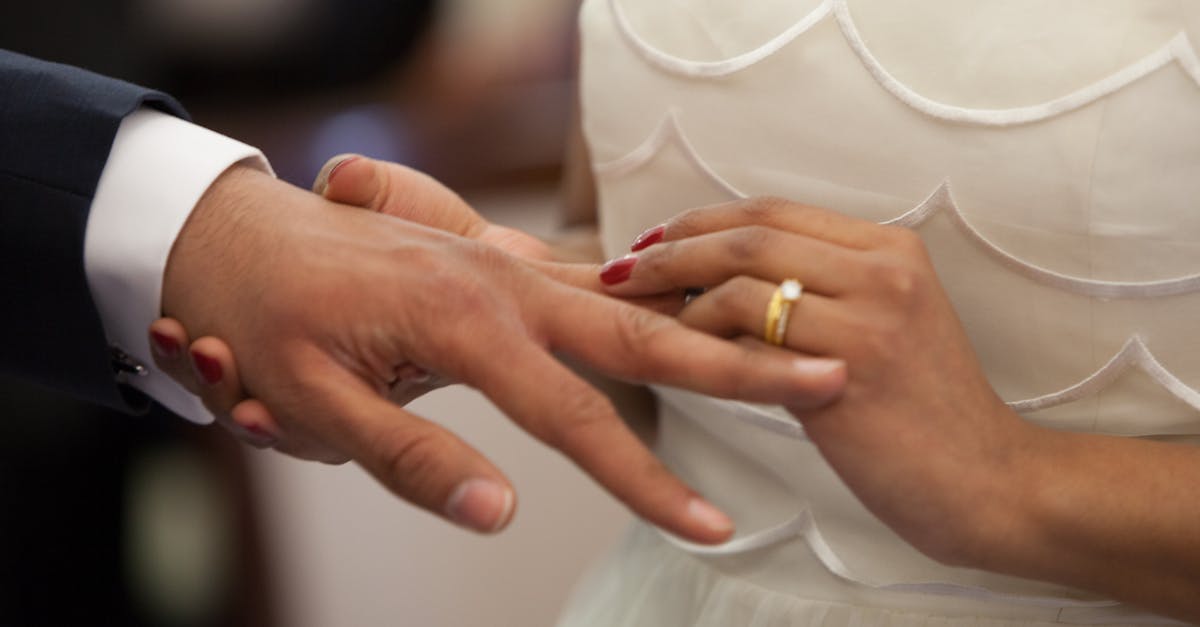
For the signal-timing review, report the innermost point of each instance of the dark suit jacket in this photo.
(57, 125)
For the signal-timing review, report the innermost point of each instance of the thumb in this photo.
(399, 191)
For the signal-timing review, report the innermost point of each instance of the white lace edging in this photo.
(1179, 50)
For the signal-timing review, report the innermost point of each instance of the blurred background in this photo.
(107, 519)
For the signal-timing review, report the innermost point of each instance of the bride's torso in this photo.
(1048, 153)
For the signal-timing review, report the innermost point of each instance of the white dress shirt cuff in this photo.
(157, 171)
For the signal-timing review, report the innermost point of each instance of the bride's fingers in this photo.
(773, 213)
(587, 276)
(215, 371)
(168, 344)
(713, 258)
(220, 387)
(738, 308)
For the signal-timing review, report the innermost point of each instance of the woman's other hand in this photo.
(919, 435)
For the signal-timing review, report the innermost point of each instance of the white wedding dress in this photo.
(1048, 151)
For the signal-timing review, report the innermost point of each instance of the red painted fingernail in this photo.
(264, 438)
(338, 168)
(649, 238)
(258, 431)
(618, 270)
(208, 368)
(164, 345)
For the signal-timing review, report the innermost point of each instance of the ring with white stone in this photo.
(779, 311)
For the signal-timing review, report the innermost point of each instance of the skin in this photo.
(972, 484)
(323, 304)
(919, 435)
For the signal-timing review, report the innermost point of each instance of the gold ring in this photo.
(780, 309)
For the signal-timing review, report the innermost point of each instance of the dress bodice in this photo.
(1047, 152)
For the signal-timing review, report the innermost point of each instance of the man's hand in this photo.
(403, 192)
(321, 303)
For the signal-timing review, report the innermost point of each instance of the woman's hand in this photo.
(919, 435)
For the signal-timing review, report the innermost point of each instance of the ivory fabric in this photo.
(1049, 155)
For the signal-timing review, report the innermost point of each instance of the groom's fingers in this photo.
(637, 345)
(417, 460)
(560, 409)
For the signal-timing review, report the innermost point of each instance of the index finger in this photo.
(776, 213)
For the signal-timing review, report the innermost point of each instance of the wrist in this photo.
(1003, 515)
(210, 241)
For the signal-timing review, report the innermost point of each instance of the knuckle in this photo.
(895, 279)
(687, 223)
(638, 333)
(659, 259)
(580, 419)
(764, 210)
(735, 297)
(413, 462)
(748, 243)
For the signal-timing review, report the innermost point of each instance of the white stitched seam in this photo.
(668, 130)
(941, 200)
(1135, 354)
(1179, 49)
(803, 525)
(714, 69)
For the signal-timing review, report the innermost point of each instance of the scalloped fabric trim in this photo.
(1178, 50)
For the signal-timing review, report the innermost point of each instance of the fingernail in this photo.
(649, 238)
(338, 168)
(706, 514)
(481, 504)
(208, 368)
(164, 345)
(323, 182)
(618, 270)
(818, 367)
(263, 439)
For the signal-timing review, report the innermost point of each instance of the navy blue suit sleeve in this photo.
(57, 125)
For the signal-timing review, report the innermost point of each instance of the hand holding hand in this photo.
(207, 367)
(322, 301)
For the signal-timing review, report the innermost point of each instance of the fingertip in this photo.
(327, 172)
(253, 416)
(713, 525)
(483, 505)
(208, 369)
(167, 338)
(356, 181)
(824, 380)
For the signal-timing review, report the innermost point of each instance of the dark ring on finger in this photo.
(692, 293)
